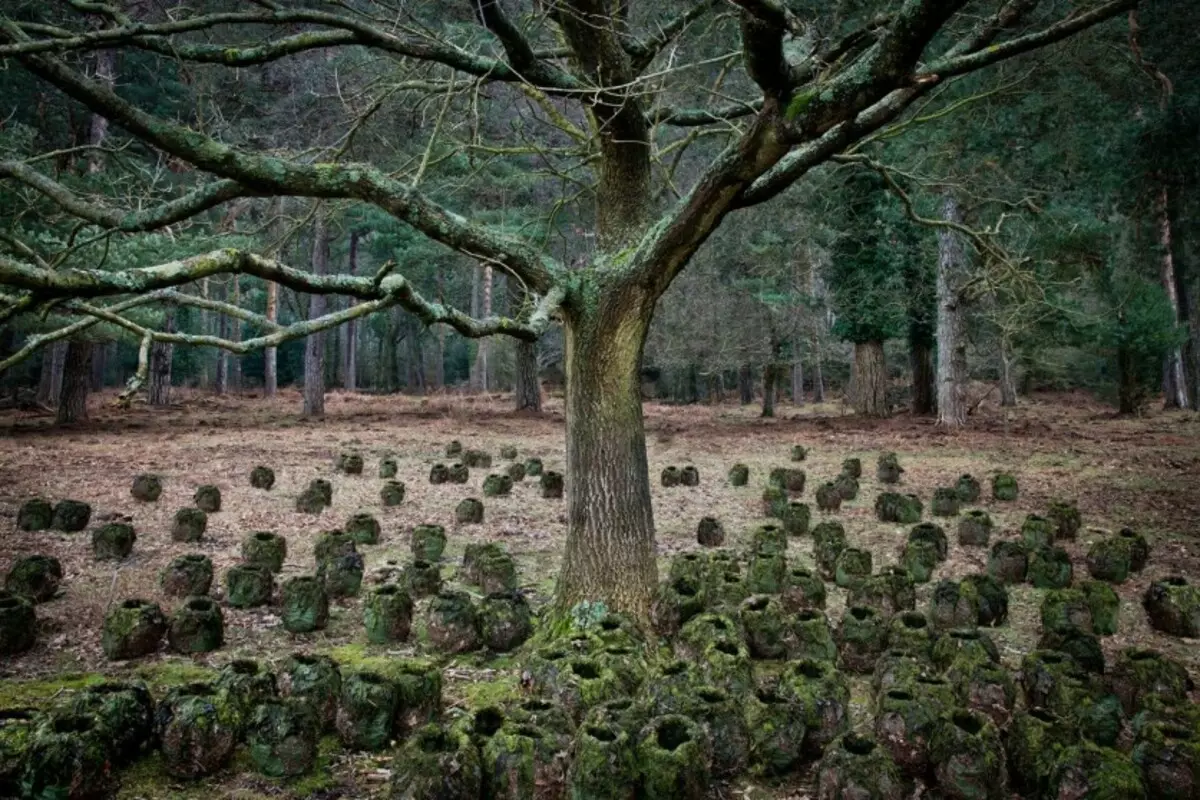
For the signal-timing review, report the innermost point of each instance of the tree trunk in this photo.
(610, 551)
(234, 376)
(868, 380)
(1130, 395)
(76, 377)
(314, 349)
(50, 382)
(1008, 380)
(818, 376)
(350, 329)
(1176, 379)
(271, 354)
(479, 370)
(951, 336)
(746, 384)
(770, 375)
(99, 365)
(528, 389)
(105, 74)
(161, 353)
(416, 356)
(924, 395)
(798, 382)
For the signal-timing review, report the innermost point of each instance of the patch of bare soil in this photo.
(1143, 473)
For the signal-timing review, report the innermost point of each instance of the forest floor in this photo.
(1143, 473)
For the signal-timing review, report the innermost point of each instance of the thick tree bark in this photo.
(770, 389)
(610, 552)
(99, 365)
(50, 381)
(161, 355)
(746, 384)
(416, 356)
(798, 382)
(77, 376)
(527, 389)
(314, 349)
(869, 380)
(1176, 395)
(951, 336)
(924, 394)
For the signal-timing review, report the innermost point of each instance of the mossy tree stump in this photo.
(945, 502)
(919, 559)
(311, 501)
(813, 637)
(497, 485)
(551, 485)
(477, 458)
(469, 511)
(1037, 531)
(36, 577)
(1090, 771)
(932, 533)
(1105, 606)
(35, 514)
(332, 544)
(366, 711)
(968, 488)
(774, 501)
(991, 598)
(975, 529)
(350, 463)
(388, 467)
(387, 615)
(316, 681)
(1066, 609)
(1139, 548)
(795, 518)
(852, 467)
(768, 540)
(766, 574)
(689, 476)
(604, 765)
(282, 738)
(829, 497)
(1112, 559)
(855, 766)
(862, 638)
(133, 629)
(428, 542)
(1167, 751)
(1142, 678)
(888, 592)
(187, 575)
(71, 516)
(439, 474)
(458, 473)
(391, 494)
(515, 472)
(675, 602)
(802, 590)
(262, 477)
(452, 623)
(710, 532)
(769, 633)
(1066, 518)
(1081, 646)
(789, 479)
(670, 477)
(248, 585)
(453, 448)
(533, 467)
(197, 626)
(906, 719)
(847, 487)
(208, 499)
(265, 549)
(1173, 607)
(505, 621)
(421, 579)
(799, 452)
(494, 572)
(962, 646)
(673, 756)
(777, 732)
(68, 757)
(342, 574)
(739, 475)
(910, 632)
(437, 762)
(247, 685)
(146, 487)
(888, 469)
(197, 729)
(904, 509)
(821, 698)
(701, 631)
(1004, 487)
(124, 711)
(1008, 561)
(305, 604)
(1035, 740)
(829, 540)
(363, 529)
(968, 757)
(951, 607)
(1050, 568)
(113, 541)
(18, 624)
(189, 525)
(852, 568)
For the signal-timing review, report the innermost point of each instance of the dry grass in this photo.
(1144, 473)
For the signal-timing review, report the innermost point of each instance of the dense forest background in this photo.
(1039, 219)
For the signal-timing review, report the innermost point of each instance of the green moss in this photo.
(862, 637)
(856, 766)
(968, 756)
(36, 577)
(968, 488)
(1089, 772)
(605, 764)
(363, 529)
(853, 566)
(673, 756)
(305, 604)
(821, 696)
(18, 624)
(777, 731)
(132, 629)
(266, 549)
(1004, 487)
(198, 729)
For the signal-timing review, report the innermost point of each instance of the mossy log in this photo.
(904, 509)
(551, 485)
(189, 525)
(604, 765)
(366, 711)
(422, 579)
(452, 623)
(469, 511)
(862, 638)
(670, 477)
(248, 585)
(197, 730)
(132, 629)
(124, 712)
(852, 568)
(207, 498)
(710, 532)
(829, 497)
(18, 624)
(905, 720)
(829, 540)
(802, 590)
(388, 467)
(497, 485)
(1066, 518)
(440, 473)
(888, 592)
(342, 575)
(457, 473)
(363, 529)
(437, 762)
(146, 487)
(188, 575)
(689, 476)
(1008, 561)
(1037, 531)
(888, 469)
(1141, 678)
(197, 626)
(968, 488)
(70, 516)
(534, 467)
(1173, 607)
(673, 758)
(262, 477)
(477, 458)
(265, 549)
(387, 615)
(35, 514)
(920, 560)
(821, 696)
(910, 632)
(777, 732)
(282, 738)
(68, 757)
(305, 604)
(391, 494)
(1088, 771)
(1050, 568)
(505, 621)
(1004, 487)
(968, 757)
(36, 577)
(945, 502)
(975, 529)
(739, 475)
(316, 681)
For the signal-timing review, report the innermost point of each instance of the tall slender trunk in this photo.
(77, 375)
(50, 381)
(271, 354)
(221, 382)
(869, 380)
(1176, 378)
(480, 379)
(951, 337)
(206, 370)
(106, 61)
(746, 384)
(798, 382)
(416, 356)
(610, 551)
(924, 395)
(439, 369)
(161, 353)
(314, 349)
(1008, 378)
(818, 374)
(235, 334)
(770, 376)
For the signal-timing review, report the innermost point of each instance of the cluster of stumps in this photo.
(742, 673)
